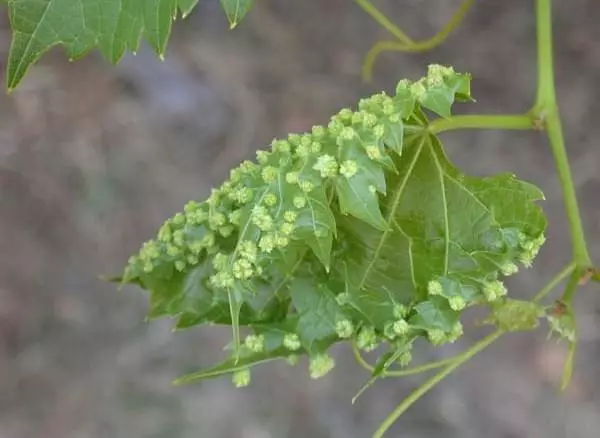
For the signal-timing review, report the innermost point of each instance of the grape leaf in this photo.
(359, 230)
(236, 10)
(80, 26)
(441, 224)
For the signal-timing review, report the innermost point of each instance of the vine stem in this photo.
(401, 373)
(456, 361)
(546, 110)
(405, 43)
(434, 380)
(383, 21)
(482, 121)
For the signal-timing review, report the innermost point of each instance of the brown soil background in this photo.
(93, 158)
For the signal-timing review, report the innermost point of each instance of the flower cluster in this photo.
(335, 207)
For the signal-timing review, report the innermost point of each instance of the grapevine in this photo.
(360, 231)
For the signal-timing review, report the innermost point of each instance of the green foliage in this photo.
(360, 231)
(111, 26)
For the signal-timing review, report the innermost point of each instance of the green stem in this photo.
(456, 361)
(546, 110)
(557, 144)
(434, 380)
(404, 43)
(383, 21)
(508, 121)
(568, 270)
(401, 373)
(546, 95)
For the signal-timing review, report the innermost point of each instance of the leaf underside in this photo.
(362, 229)
(112, 26)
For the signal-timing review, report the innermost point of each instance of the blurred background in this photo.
(94, 158)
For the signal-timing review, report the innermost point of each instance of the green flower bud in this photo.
(373, 152)
(344, 328)
(400, 311)
(241, 378)
(327, 166)
(269, 174)
(281, 146)
(299, 201)
(290, 216)
(270, 200)
(262, 157)
(320, 365)
(367, 339)
(457, 303)
(434, 287)
(255, 343)
(349, 168)
(436, 336)
(291, 341)
(494, 290)
(509, 269)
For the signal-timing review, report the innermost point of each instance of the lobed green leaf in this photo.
(113, 27)
(361, 230)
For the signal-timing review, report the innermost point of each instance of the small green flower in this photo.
(262, 157)
(270, 200)
(367, 339)
(291, 341)
(242, 269)
(400, 311)
(344, 328)
(318, 132)
(299, 201)
(327, 166)
(286, 229)
(291, 177)
(241, 378)
(434, 287)
(508, 269)
(373, 152)
(290, 216)
(436, 336)
(457, 303)
(281, 146)
(494, 290)
(418, 90)
(347, 133)
(255, 343)
(269, 174)
(306, 186)
(320, 365)
(349, 168)
(267, 243)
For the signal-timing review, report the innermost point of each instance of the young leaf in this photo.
(80, 26)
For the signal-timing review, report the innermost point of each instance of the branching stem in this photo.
(546, 110)
(434, 380)
(457, 361)
(404, 43)
(508, 121)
